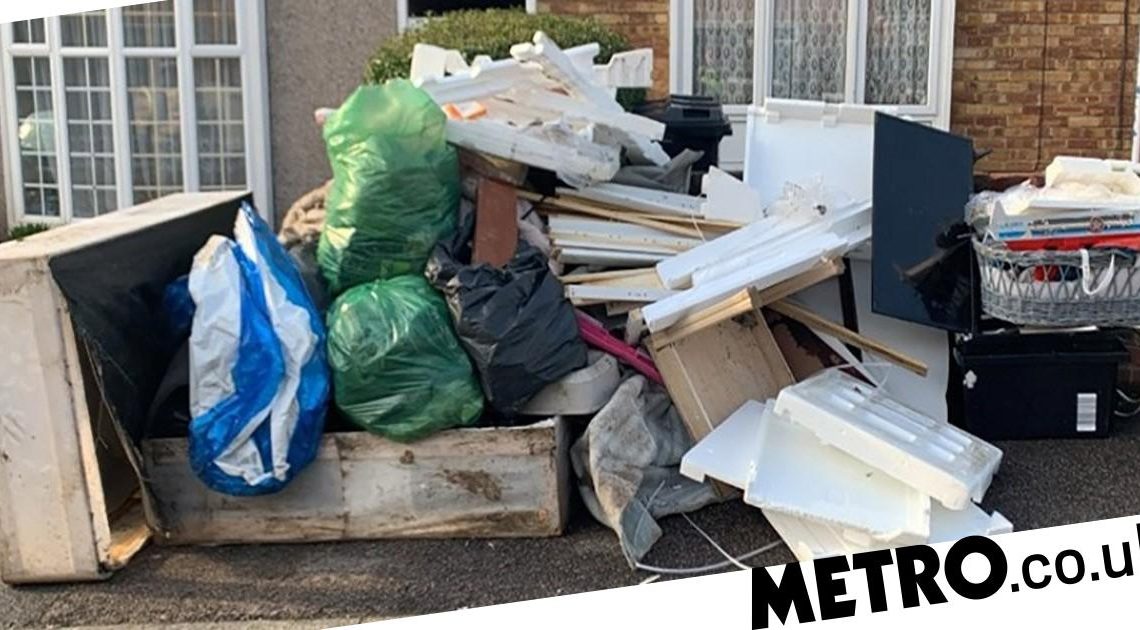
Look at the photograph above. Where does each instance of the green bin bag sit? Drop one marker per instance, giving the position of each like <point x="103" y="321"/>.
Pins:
<point x="398" y="369"/>
<point x="395" y="188"/>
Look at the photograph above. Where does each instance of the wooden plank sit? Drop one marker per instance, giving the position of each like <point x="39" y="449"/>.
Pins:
<point x="582" y="278"/>
<point x="645" y="200"/>
<point x="613" y="309"/>
<point x="592" y="210"/>
<point x="564" y="241"/>
<point x="822" y="324"/>
<point x="743" y="302"/>
<point x="712" y="373"/>
<point x="484" y="483"/>
<point x="489" y="166"/>
<point x="719" y="225"/>
<point x="129" y="534"/>
<point x="496" y="223"/>
<point x="616" y="294"/>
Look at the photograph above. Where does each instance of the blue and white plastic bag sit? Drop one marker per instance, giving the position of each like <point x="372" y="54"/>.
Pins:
<point x="259" y="379"/>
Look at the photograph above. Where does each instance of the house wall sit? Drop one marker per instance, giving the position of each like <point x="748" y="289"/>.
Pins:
<point x="3" y="199"/>
<point x="1038" y="78"/>
<point x="644" y="22"/>
<point x="317" y="53"/>
<point x="1032" y="78"/>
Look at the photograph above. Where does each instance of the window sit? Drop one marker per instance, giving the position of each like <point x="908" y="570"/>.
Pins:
<point x="118" y="107"/>
<point x="723" y="50"/>
<point x="413" y="12"/>
<point x="874" y="52"/>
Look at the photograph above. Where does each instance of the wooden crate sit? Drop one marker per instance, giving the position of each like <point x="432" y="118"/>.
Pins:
<point x="78" y="499"/>
<point x="69" y="507"/>
<point x="482" y="483"/>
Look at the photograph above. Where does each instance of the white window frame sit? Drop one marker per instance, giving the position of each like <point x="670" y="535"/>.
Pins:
<point x="251" y="49"/>
<point x="402" y="17"/>
<point x="935" y="112"/>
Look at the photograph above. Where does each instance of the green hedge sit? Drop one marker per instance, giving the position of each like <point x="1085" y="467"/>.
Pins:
<point x="492" y="32"/>
<point x="27" y="229"/>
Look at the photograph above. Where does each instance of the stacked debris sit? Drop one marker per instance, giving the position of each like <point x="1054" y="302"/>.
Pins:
<point x="678" y="295"/>
<point x="838" y="468"/>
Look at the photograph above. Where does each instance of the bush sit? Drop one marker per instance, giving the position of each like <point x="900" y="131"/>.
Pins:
<point x="27" y="229"/>
<point x="492" y="32"/>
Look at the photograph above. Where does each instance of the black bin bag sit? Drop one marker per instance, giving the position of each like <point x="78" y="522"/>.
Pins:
<point x="515" y="323"/>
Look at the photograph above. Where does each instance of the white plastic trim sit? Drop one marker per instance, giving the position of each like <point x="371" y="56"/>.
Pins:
<point x="730" y="199"/>
<point x="598" y="164"/>
<point x="763" y="235"/>
<point x="606" y="257"/>
<point x="558" y="66"/>
<point x="641" y="199"/>
<point x="782" y="262"/>
<point x="616" y="294"/>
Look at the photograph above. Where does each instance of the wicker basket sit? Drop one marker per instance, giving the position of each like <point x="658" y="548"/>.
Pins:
<point x="1059" y="288"/>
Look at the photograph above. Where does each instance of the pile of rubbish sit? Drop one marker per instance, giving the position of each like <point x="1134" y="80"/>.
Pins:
<point x="503" y="242"/>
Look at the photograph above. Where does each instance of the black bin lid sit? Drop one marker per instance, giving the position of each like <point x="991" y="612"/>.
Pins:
<point x="1011" y="349"/>
<point x="688" y="113"/>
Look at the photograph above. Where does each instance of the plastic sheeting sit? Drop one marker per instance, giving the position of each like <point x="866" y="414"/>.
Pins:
<point x="397" y="366"/>
<point x="628" y="466"/>
<point x="259" y="381"/>
<point x="396" y="186"/>
<point x="515" y="323"/>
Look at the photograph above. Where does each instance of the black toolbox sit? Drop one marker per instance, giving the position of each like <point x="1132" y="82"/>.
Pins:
<point x="1042" y="385"/>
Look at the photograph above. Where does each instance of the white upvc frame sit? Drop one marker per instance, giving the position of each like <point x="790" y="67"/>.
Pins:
<point x="250" y="50"/>
<point x="402" y="17"/>
<point x="935" y="112"/>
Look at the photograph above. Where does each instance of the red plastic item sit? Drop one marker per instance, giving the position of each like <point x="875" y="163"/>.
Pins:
<point x="597" y="336"/>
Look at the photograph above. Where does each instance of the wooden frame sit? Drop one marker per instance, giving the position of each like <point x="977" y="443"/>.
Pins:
<point x="469" y="483"/>
<point x="73" y="502"/>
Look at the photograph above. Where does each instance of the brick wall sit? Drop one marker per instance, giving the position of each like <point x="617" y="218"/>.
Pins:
<point x="1038" y="78"/>
<point x="644" y="22"/>
<point x="1032" y="78"/>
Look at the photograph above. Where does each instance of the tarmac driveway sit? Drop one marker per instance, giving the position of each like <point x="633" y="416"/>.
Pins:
<point x="1040" y="484"/>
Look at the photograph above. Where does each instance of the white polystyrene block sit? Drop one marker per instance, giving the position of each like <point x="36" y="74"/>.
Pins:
<point x="727" y="453"/>
<point x="810" y="539"/>
<point x="949" y="525"/>
<point x="795" y="473"/>
<point x="942" y="461"/>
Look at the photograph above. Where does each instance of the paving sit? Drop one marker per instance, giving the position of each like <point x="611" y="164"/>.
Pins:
<point x="1040" y="484"/>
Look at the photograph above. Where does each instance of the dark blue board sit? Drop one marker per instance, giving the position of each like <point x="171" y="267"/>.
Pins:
<point x="923" y="269"/>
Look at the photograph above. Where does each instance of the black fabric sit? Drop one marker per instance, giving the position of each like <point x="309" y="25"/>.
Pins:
<point x="169" y="415"/>
<point x="115" y="293"/>
<point x="305" y="257"/>
<point x="515" y="323"/>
